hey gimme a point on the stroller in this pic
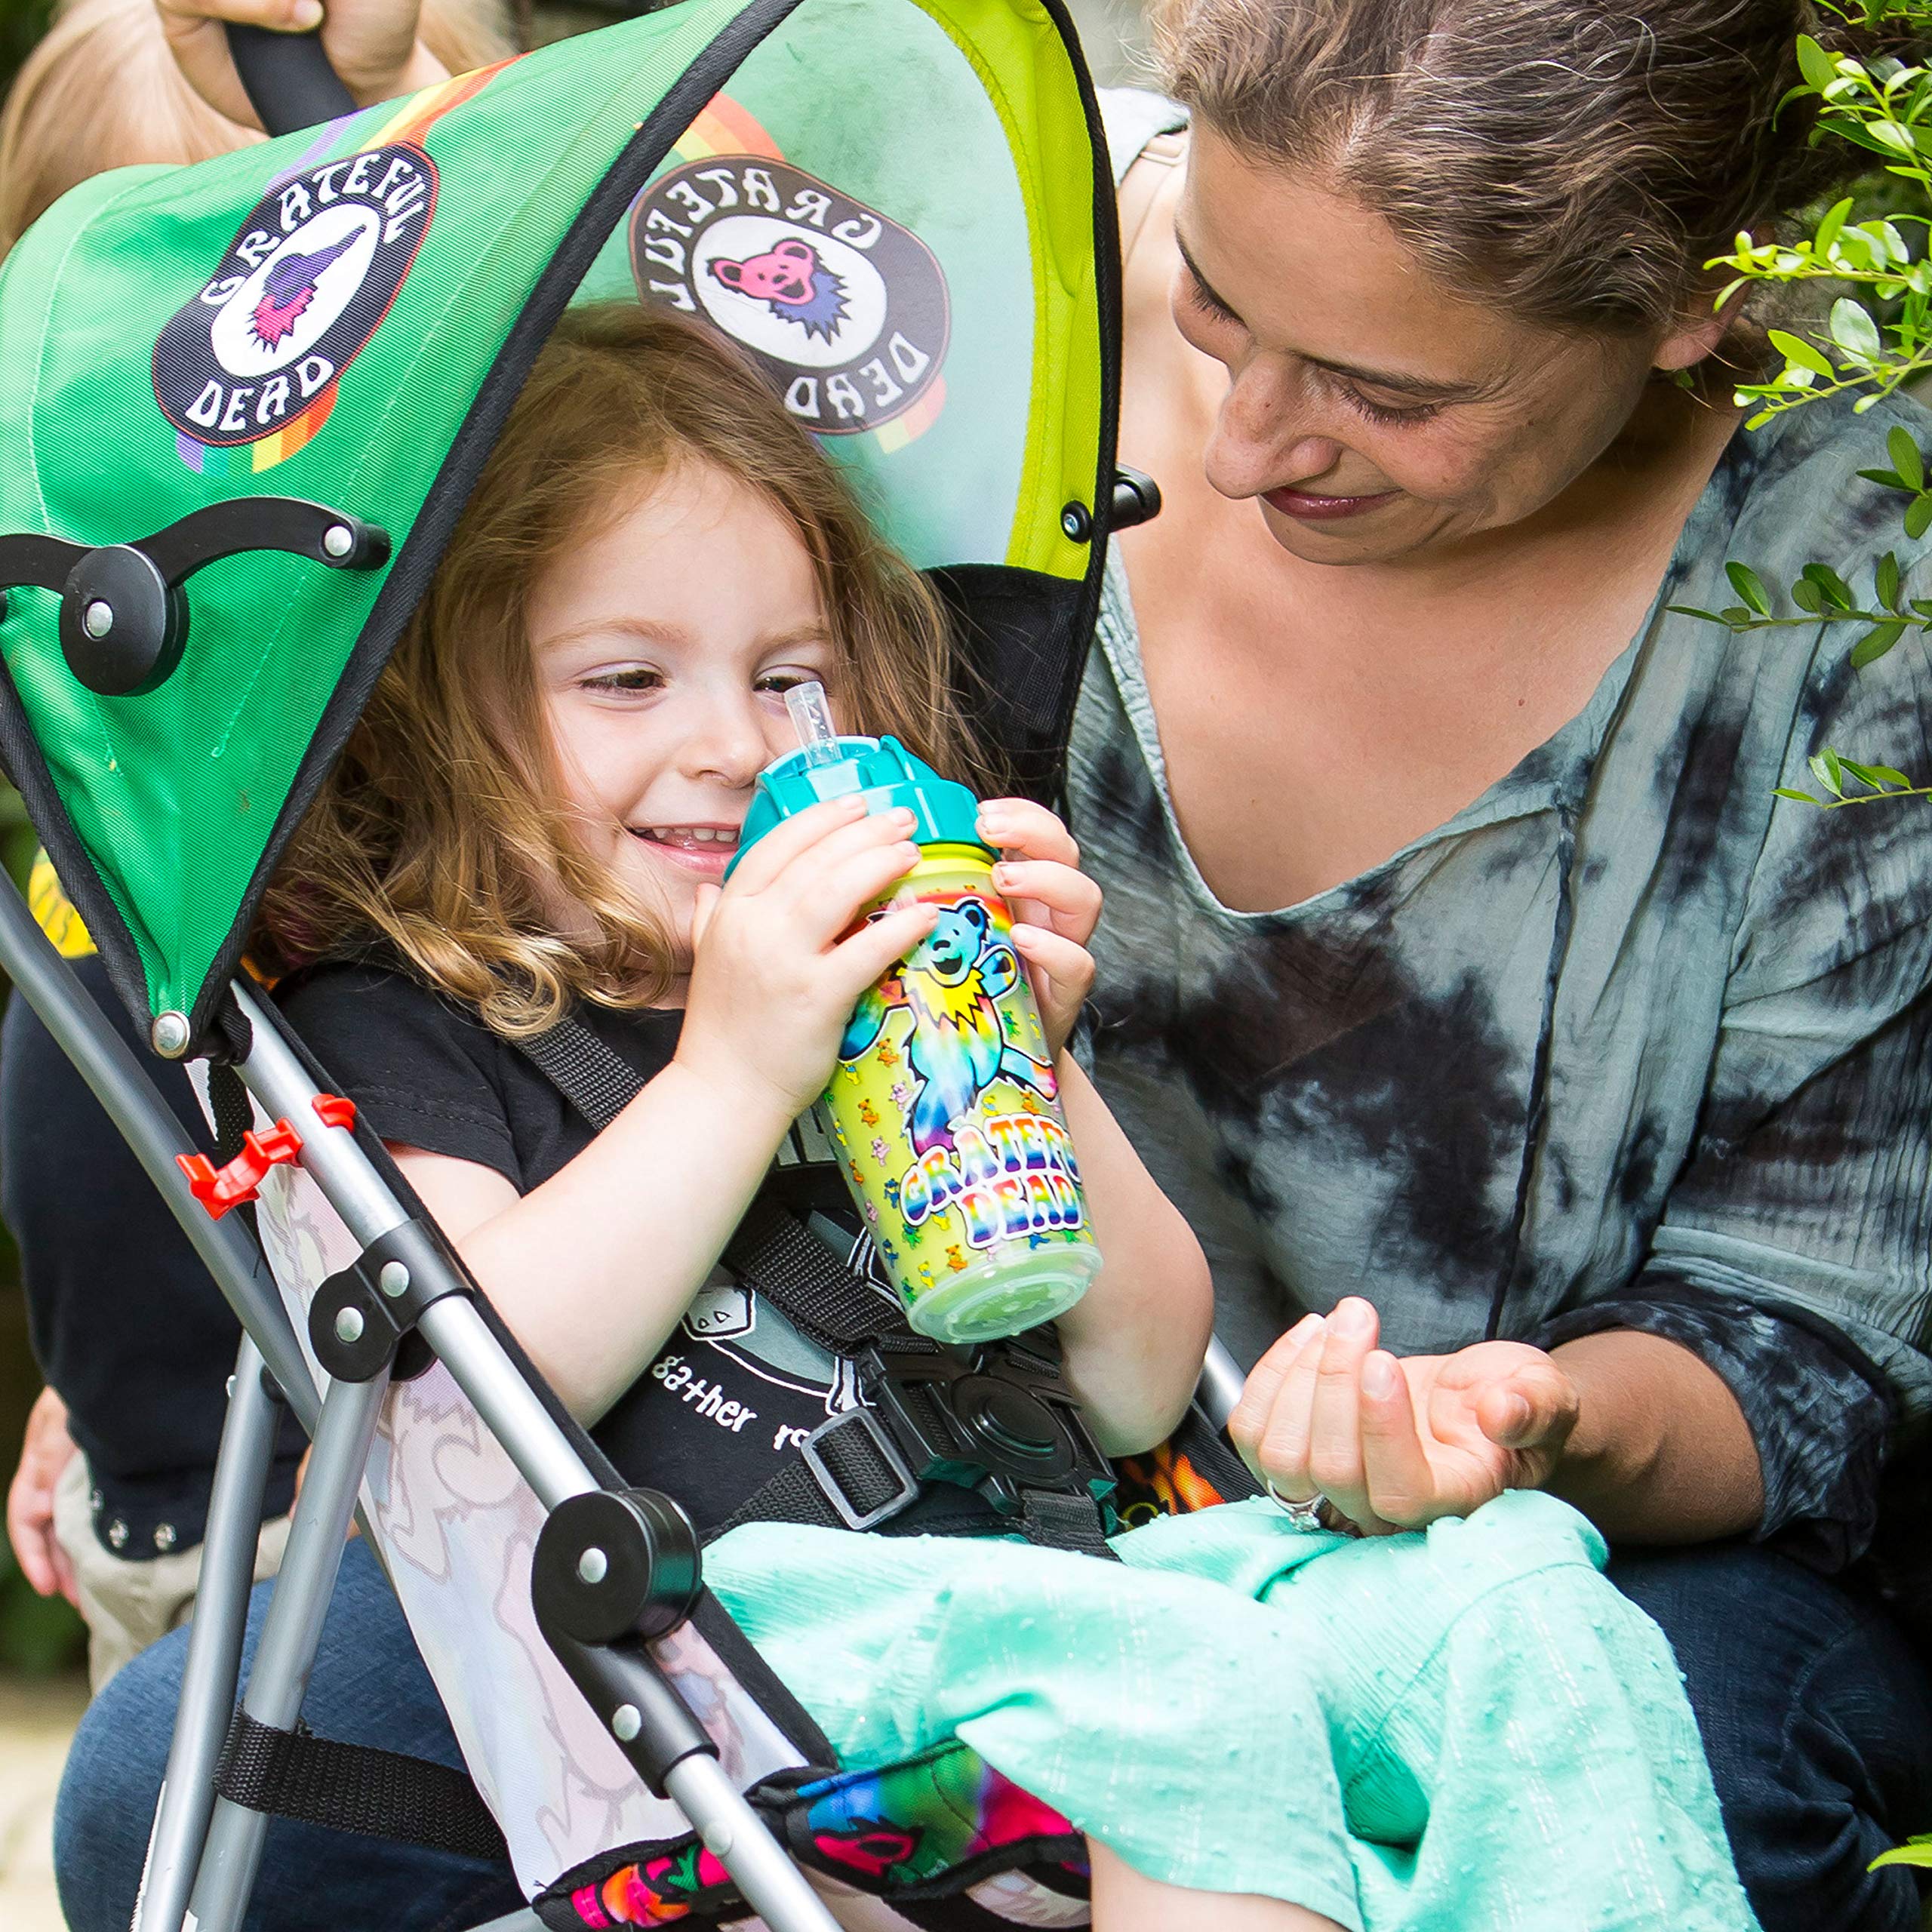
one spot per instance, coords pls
(901, 209)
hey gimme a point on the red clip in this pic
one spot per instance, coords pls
(220, 1189)
(332, 1110)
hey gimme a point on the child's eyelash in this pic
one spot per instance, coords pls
(633, 678)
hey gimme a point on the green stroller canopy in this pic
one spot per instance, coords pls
(898, 206)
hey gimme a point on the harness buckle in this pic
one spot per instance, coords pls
(997, 1419)
(869, 1426)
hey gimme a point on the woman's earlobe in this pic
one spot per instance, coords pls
(1695, 338)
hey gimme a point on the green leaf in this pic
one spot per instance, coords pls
(1817, 66)
(1748, 585)
(1796, 350)
(1875, 643)
(1880, 777)
(1905, 459)
(1735, 615)
(1852, 330)
(1807, 596)
(1890, 478)
(1786, 791)
(1834, 220)
(1865, 137)
(1691, 611)
(1918, 515)
(1836, 590)
(1887, 581)
(1915, 1851)
(1828, 772)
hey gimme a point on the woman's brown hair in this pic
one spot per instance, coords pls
(443, 831)
(102, 90)
(1577, 162)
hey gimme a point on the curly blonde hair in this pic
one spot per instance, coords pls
(443, 831)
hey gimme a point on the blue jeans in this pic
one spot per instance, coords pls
(1816, 1719)
(369, 1687)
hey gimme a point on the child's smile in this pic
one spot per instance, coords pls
(706, 849)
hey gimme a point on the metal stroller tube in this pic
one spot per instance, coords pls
(741, 1841)
(1221, 1383)
(214, 1647)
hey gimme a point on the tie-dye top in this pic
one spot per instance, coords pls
(1628, 1043)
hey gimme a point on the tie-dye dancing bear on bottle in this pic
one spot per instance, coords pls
(943, 1104)
(947, 1116)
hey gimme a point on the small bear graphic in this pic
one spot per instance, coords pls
(958, 1048)
(791, 281)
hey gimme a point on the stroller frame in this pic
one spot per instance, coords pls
(205, 1849)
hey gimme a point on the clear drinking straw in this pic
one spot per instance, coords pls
(811, 719)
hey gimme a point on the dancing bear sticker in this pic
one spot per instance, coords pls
(305, 284)
(846, 311)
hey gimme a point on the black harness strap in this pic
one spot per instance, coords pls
(851, 1473)
(596, 1078)
(774, 1254)
(355, 1788)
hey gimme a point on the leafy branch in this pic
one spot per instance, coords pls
(1832, 770)
(1884, 107)
(1820, 594)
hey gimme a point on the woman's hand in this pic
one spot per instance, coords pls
(1394, 1443)
(371, 44)
(772, 981)
(1055, 904)
(44, 1453)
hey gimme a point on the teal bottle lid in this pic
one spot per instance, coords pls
(883, 771)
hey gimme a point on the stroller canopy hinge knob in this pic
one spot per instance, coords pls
(220, 1189)
(123, 624)
(123, 613)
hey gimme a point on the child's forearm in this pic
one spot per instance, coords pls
(594, 1269)
(1135, 1342)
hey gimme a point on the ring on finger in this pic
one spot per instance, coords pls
(1315, 1513)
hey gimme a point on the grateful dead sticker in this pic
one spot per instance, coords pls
(304, 286)
(846, 311)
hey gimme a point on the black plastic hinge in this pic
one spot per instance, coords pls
(364, 1319)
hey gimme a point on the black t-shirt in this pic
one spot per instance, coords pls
(736, 1389)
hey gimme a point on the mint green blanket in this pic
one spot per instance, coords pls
(1464, 1731)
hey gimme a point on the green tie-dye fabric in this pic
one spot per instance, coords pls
(1628, 1043)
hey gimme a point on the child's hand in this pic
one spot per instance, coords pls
(772, 983)
(1057, 905)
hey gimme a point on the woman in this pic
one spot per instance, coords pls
(1460, 958)
(1461, 978)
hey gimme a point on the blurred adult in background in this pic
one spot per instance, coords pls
(131, 1336)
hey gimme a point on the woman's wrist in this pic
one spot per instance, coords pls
(1661, 1452)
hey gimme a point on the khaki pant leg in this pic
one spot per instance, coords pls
(128, 1605)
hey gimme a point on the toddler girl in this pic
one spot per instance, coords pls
(1255, 1725)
